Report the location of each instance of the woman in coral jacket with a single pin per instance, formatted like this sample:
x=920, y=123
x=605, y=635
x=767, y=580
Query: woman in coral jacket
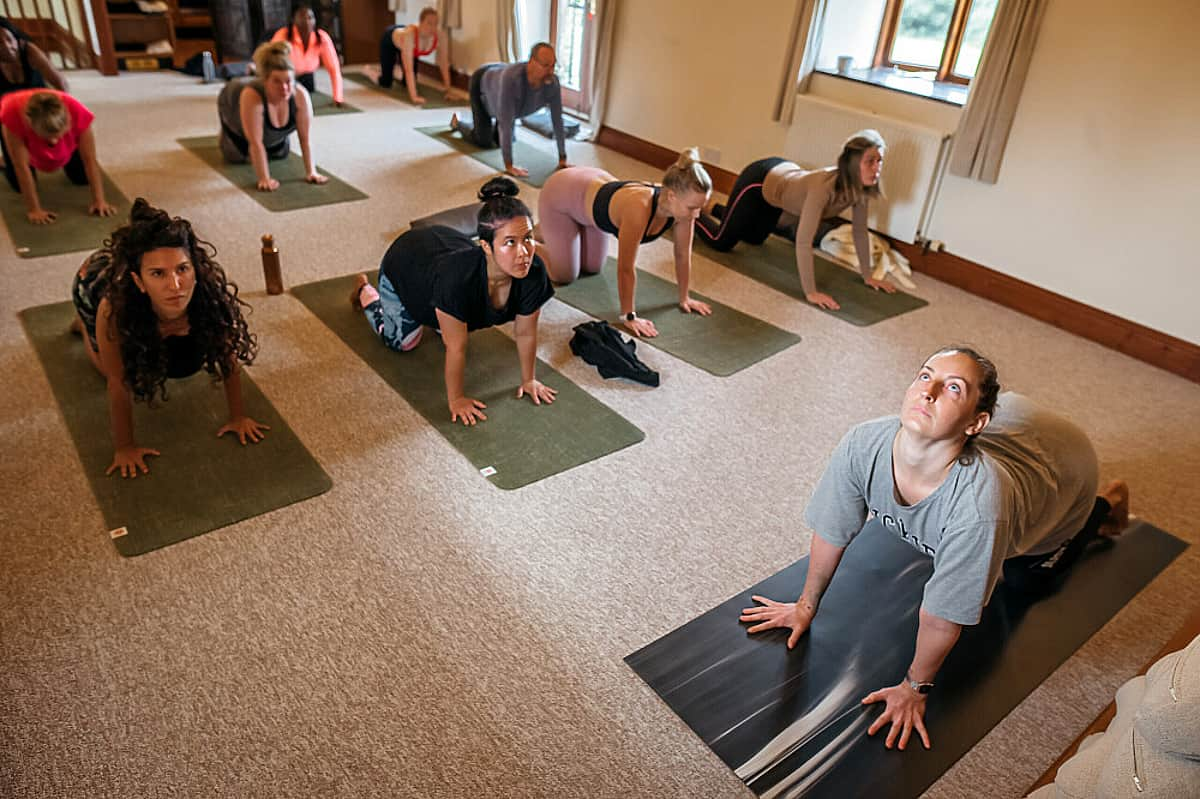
x=311, y=48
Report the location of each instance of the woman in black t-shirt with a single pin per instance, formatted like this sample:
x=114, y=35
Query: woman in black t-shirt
x=438, y=277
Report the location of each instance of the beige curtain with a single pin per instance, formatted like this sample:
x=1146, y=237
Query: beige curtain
x=995, y=93
x=508, y=30
x=804, y=43
x=605, y=22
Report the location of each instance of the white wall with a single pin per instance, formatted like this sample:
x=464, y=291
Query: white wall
x=1099, y=185
x=1099, y=191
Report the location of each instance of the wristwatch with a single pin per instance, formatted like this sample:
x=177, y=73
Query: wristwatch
x=917, y=685
x=629, y=317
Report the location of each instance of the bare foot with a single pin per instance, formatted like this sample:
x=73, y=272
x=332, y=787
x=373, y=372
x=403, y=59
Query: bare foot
x=454, y=122
x=360, y=281
x=1116, y=493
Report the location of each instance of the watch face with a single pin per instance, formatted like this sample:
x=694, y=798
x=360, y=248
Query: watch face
x=924, y=689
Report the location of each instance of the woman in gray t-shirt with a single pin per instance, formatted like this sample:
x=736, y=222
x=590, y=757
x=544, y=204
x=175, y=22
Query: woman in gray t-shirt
x=984, y=483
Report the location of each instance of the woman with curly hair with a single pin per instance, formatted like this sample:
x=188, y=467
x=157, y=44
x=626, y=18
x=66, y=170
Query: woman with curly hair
x=155, y=305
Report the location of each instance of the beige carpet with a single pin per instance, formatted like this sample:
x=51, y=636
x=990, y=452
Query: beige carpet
x=416, y=632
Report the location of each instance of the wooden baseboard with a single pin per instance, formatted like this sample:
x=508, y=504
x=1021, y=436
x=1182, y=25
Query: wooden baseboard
x=658, y=156
x=1137, y=341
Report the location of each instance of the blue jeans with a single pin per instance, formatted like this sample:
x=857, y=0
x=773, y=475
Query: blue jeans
x=391, y=321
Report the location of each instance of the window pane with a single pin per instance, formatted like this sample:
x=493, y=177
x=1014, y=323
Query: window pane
x=979, y=21
x=571, y=18
x=921, y=32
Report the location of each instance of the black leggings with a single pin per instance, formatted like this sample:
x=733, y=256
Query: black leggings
x=73, y=169
x=306, y=80
x=481, y=130
x=748, y=217
x=1038, y=575
x=388, y=56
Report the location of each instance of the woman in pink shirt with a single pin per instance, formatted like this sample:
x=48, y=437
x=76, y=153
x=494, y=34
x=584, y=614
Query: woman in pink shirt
x=311, y=48
x=47, y=129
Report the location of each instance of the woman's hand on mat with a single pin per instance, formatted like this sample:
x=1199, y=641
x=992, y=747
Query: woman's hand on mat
x=41, y=216
x=317, y=179
x=822, y=300
x=537, y=391
x=246, y=429
x=689, y=305
x=416, y=99
x=468, y=410
x=881, y=285
x=270, y=184
x=905, y=709
x=640, y=327
x=517, y=171
x=128, y=460
x=796, y=616
x=101, y=208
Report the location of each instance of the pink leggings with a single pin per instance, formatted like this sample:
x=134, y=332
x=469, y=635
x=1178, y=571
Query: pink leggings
x=573, y=243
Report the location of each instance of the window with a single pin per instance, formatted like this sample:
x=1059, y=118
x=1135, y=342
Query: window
x=925, y=47
x=943, y=36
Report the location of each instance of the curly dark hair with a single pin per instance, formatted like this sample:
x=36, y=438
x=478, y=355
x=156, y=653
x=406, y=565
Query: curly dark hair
x=215, y=317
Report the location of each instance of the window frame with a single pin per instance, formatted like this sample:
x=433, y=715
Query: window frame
x=950, y=50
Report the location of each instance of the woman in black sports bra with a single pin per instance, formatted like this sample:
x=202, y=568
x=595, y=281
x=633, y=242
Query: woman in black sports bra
x=153, y=305
x=580, y=205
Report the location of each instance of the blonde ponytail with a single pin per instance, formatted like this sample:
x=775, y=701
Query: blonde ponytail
x=687, y=174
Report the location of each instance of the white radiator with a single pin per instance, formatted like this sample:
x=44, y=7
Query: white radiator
x=912, y=164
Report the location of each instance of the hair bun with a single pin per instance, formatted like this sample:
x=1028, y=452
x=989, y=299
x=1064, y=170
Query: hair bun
x=142, y=212
x=498, y=187
x=688, y=157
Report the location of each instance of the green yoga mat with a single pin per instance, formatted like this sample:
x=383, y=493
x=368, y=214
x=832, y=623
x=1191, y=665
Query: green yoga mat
x=293, y=191
x=773, y=263
x=323, y=106
x=540, y=165
x=74, y=230
x=434, y=97
x=520, y=443
x=721, y=344
x=200, y=482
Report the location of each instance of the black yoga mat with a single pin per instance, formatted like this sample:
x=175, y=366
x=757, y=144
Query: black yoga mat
x=773, y=263
x=790, y=724
x=520, y=443
x=722, y=344
x=541, y=122
x=200, y=482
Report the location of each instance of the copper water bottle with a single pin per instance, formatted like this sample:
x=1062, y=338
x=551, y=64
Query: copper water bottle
x=271, y=271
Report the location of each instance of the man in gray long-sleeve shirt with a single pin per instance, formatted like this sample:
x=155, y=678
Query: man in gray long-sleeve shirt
x=502, y=93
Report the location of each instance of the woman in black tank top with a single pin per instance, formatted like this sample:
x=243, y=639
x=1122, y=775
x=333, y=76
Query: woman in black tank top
x=23, y=65
x=258, y=116
x=153, y=305
x=572, y=228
